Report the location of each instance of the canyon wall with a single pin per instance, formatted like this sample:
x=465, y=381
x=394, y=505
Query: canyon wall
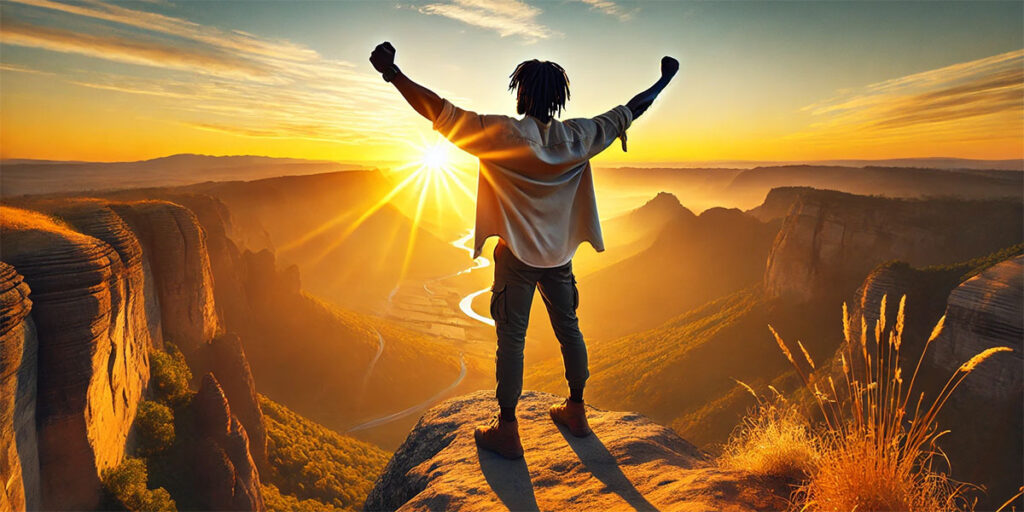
x=87, y=288
x=19, y=455
x=830, y=240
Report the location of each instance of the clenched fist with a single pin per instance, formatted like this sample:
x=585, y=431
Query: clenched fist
x=669, y=67
x=383, y=57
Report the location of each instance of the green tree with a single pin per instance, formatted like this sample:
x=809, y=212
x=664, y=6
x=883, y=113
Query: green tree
x=126, y=488
x=154, y=428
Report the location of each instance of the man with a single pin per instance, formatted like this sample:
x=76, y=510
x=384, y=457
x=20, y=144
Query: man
x=536, y=194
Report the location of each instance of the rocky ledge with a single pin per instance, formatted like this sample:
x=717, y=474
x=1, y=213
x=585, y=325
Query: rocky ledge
x=630, y=463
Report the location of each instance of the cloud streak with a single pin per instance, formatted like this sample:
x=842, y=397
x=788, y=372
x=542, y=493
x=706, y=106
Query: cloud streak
x=610, y=8
x=213, y=79
x=506, y=17
x=972, y=100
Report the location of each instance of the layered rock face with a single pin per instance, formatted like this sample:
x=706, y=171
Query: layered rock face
x=629, y=463
x=227, y=362
x=92, y=357
x=224, y=475
x=830, y=240
x=986, y=413
x=19, y=451
x=985, y=312
x=175, y=246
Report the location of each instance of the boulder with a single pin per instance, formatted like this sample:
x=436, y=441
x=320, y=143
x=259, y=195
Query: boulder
x=629, y=463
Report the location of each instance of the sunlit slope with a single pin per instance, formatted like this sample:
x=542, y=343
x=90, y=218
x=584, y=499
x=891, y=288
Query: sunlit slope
x=630, y=233
x=351, y=248
x=313, y=467
x=693, y=259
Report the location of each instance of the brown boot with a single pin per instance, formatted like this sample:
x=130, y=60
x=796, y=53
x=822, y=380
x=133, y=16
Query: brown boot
x=573, y=415
x=501, y=437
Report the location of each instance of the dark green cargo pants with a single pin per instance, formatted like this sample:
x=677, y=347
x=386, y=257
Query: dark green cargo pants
x=511, y=298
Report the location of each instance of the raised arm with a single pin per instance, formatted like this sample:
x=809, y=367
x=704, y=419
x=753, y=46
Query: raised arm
x=641, y=102
x=423, y=100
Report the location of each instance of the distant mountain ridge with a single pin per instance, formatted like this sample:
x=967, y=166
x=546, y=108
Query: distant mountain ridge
x=24, y=177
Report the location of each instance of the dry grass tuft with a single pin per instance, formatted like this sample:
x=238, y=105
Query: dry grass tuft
x=878, y=442
x=776, y=439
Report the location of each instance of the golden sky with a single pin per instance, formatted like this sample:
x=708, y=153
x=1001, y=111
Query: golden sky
x=92, y=80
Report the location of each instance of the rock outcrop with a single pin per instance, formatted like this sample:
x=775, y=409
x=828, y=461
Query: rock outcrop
x=175, y=245
x=986, y=413
x=830, y=240
x=224, y=476
x=92, y=356
x=630, y=462
x=19, y=451
x=226, y=360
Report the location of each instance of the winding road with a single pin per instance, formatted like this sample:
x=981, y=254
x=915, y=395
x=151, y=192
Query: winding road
x=418, y=407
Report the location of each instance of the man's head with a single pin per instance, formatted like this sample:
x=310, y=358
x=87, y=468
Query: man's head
x=542, y=88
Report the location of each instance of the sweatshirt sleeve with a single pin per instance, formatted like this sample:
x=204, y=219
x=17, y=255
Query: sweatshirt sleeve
x=599, y=132
x=467, y=130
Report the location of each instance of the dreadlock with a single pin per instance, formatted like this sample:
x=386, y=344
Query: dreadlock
x=542, y=88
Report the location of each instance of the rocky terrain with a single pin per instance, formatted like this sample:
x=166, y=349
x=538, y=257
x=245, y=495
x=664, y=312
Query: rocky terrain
x=629, y=463
x=830, y=240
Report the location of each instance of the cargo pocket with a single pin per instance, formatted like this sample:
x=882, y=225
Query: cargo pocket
x=575, y=295
x=498, y=304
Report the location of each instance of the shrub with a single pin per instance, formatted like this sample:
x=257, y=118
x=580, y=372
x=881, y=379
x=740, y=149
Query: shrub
x=169, y=375
x=126, y=488
x=154, y=428
x=878, y=441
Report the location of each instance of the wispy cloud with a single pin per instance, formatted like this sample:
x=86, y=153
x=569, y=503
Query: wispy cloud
x=220, y=80
x=610, y=8
x=506, y=17
x=972, y=100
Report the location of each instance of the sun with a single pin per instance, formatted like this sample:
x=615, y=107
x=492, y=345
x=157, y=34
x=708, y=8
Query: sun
x=435, y=157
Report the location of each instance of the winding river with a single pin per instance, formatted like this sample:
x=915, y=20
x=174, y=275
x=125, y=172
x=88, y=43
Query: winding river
x=466, y=305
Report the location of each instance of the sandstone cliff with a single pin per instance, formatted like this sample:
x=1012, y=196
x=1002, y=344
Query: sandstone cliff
x=85, y=293
x=830, y=240
x=19, y=458
x=92, y=357
x=630, y=462
x=175, y=245
x=985, y=312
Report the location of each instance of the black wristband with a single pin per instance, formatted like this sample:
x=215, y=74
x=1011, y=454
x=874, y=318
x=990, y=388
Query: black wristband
x=390, y=73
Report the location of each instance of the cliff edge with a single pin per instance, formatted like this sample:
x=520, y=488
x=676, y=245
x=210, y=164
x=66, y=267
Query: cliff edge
x=630, y=462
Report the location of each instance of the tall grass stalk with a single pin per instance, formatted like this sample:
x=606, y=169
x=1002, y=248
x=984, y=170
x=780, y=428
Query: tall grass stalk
x=879, y=444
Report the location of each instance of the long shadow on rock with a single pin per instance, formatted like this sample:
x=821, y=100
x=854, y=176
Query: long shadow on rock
x=596, y=458
x=509, y=479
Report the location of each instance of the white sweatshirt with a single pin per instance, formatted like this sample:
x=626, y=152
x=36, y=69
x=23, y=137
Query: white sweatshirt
x=535, y=189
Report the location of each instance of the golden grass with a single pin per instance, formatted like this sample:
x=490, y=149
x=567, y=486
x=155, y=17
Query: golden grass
x=18, y=219
x=877, y=445
x=776, y=439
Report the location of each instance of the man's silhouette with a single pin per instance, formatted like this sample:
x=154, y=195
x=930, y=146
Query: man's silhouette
x=535, y=193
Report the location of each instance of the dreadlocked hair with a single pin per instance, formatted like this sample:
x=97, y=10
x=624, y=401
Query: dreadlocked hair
x=542, y=88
